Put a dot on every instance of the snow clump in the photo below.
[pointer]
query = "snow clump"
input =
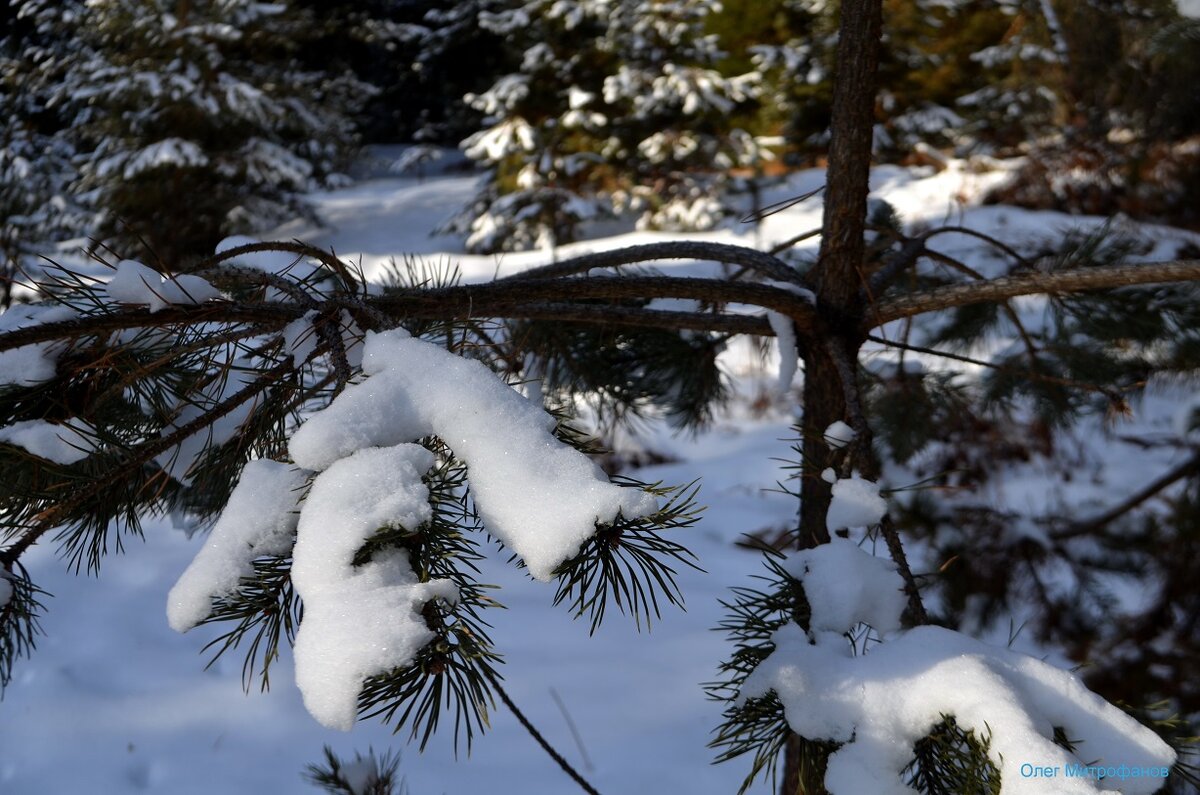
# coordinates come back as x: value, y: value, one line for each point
x: 856, y: 503
x: 63, y: 444
x: 135, y: 283
x: 540, y: 497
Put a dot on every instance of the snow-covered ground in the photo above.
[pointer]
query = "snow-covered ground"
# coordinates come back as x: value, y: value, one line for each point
x: 115, y: 702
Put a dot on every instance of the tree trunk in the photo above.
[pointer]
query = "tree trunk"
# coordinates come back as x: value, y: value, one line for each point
x: 839, y: 278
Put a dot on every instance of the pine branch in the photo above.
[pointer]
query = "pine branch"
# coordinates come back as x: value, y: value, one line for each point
x: 752, y: 259
x: 1071, y: 281
x: 56, y: 514
x: 1111, y: 394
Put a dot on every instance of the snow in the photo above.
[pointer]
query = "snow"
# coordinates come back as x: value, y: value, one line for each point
x: 882, y: 702
x: 846, y: 585
x: 856, y: 503
x: 277, y: 262
x: 300, y: 337
x: 174, y: 152
x: 359, y: 621
x: 33, y: 364
x: 838, y: 435
x: 135, y: 283
x: 6, y: 589
x: 539, y: 496
x: 63, y: 444
x: 789, y: 356
x: 87, y: 715
x: 259, y: 519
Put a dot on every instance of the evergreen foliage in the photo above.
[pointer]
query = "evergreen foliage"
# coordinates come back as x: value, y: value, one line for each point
x: 616, y: 107
x: 183, y: 122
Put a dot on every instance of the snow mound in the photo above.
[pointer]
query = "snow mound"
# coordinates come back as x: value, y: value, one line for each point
x: 881, y: 703
x: 856, y: 503
x: 846, y: 585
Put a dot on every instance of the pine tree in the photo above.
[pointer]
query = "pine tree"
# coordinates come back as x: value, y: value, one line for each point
x: 271, y: 392
x: 187, y: 121
x: 617, y: 107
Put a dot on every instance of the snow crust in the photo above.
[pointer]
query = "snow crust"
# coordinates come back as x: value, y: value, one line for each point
x: 359, y: 621
x: 880, y: 703
x: 539, y: 496
x: 259, y: 519
x: 135, y: 283
x: 856, y: 503
x: 62, y: 444
x: 30, y: 364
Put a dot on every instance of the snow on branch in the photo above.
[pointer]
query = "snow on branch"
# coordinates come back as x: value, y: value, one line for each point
x: 540, y: 497
x: 879, y: 704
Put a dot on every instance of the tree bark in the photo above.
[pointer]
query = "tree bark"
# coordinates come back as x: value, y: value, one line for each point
x: 839, y: 277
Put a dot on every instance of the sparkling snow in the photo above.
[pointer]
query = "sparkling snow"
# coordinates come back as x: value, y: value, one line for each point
x: 359, y: 621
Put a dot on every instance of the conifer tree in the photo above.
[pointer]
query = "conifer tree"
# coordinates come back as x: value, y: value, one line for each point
x: 616, y: 107
x: 270, y: 392
x: 187, y: 121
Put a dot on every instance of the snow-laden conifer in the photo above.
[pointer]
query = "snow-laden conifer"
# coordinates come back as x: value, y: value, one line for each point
x: 617, y: 107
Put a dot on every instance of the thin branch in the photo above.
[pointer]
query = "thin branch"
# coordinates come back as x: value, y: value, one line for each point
x: 1188, y: 467
x: 779, y: 248
x: 752, y: 259
x: 1112, y: 394
x: 1030, y: 346
x: 755, y: 325
x: 1070, y: 281
x: 494, y: 299
x: 267, y: 314
x: 326, y: 258
x: 963, y: 230
x: 916, y: 607
x: 537, y: 736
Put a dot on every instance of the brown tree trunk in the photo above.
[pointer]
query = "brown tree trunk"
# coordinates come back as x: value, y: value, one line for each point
x: 839, y: 277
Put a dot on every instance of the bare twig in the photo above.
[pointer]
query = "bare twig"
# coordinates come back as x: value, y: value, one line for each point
x: 1070, y: 281
x: 765, y: 264
x: 537, y: 736
x: 1108, y: 392
x: 1189, y: 467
